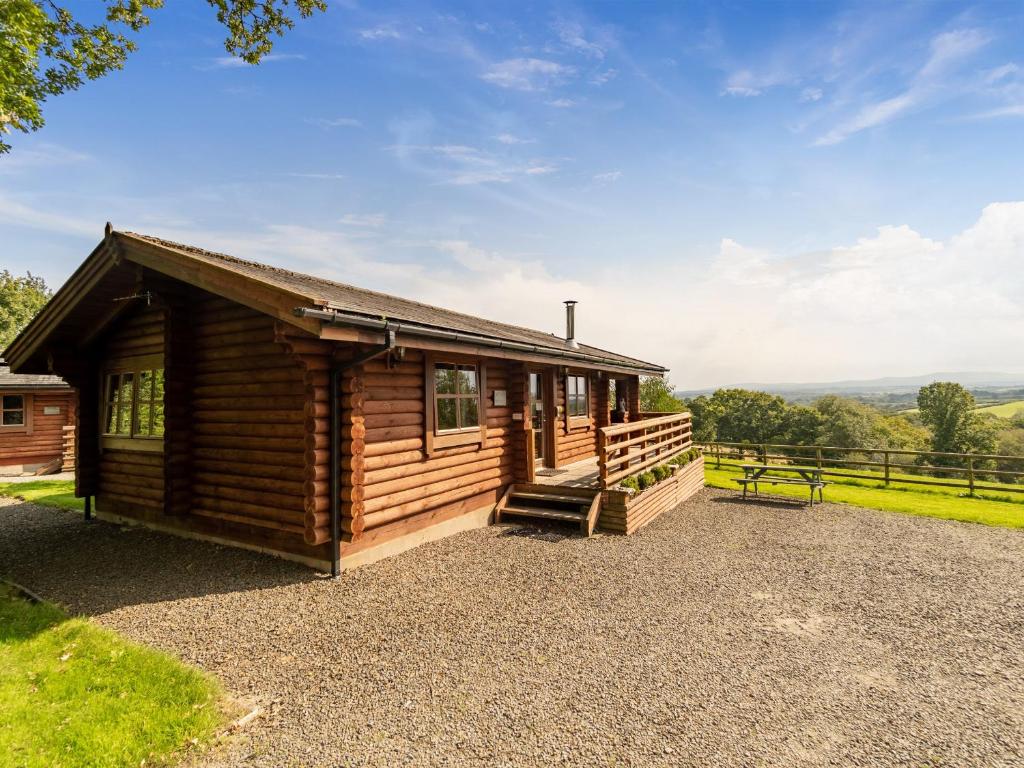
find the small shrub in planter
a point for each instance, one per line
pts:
(662, 472)
(646, 480)
(631, 482)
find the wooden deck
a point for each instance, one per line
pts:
(579, 474)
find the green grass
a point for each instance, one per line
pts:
(51, 493)
(945, 503)
(1003, 410)
(73, 694)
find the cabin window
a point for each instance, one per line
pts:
(456, 403)
(456, 397)
(134, 404)
(577, 396)
(13, 411)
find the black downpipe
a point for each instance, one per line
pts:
(335, 451)
(335, 483)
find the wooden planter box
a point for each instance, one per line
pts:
(623, 513)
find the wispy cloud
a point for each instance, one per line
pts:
(334, 122)
(947, 50)
(371, 220)
(562, 103)
(461, 165)
(318, 175)
(527, 74)
(41, 155)
(600, 78)
(233, 62)
(511, 139)
(607, 177)
(381, 32)
(573, 36)
(811, 94)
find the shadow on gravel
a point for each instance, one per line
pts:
(94, 567)
(772, 502)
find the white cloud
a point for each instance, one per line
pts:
(562, 103)
(461, 165)
(527, 74)
(540, 169)
(1011, 110)
(811, 94)
(608, 177)
(334, 122)
(382, 32)
(511, 139)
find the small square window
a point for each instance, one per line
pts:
(12, 412)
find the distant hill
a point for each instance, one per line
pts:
(893, 384)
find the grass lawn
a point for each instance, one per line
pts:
(1003, 410)
(933, 502)
(51, 493)
(74, 694)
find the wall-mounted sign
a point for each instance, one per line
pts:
(500, 398)
(51, 410)
(517, 417)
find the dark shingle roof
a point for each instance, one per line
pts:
(373, 304)
(10, 380)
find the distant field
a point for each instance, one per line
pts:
(1003, 410)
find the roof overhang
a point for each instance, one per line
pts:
(441, 339)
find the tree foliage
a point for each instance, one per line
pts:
(46, 51)
(947, 408)
(20, 299)
(658, 395)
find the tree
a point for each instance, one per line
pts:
(746, 416)
(705, 419)
(658, 395)
(45, 51)
(20, 299)
(846, 423)
(801, 425)
(946, 408)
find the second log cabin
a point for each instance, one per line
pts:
(250, 405)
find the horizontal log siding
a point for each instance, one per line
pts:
(46, 441)
(405, 490)
(579, 442)
(248, 426)
(622, 513)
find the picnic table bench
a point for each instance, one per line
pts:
(753, 474)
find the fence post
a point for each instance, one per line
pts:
(970, 475)
(817, 455)
(718, 455)
(886, 459)
(764, 453)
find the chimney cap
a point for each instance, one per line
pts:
(570, 302)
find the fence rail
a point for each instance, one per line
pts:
(624, 449)
(976, 472)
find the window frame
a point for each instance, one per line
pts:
(131, 441)
(26, 408)
(577, 420)
(436, 439)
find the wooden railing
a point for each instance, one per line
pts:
(970, 471)
(624, 449)
(68, 449)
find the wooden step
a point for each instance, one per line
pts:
(548, 514)
(577, 501)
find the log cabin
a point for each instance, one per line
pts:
(245, 404)
(37, 417)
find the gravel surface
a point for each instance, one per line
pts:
(724, 634)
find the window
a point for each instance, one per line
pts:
(577, 400)
(456, 397)
(456, 405)
(134, 404)
(12, 412)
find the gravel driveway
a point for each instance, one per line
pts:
(722, 634)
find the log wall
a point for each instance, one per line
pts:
(45, 441)
(579, 442)
(404, 490)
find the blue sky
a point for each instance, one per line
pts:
(743, 191)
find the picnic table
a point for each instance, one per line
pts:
(754, 474)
